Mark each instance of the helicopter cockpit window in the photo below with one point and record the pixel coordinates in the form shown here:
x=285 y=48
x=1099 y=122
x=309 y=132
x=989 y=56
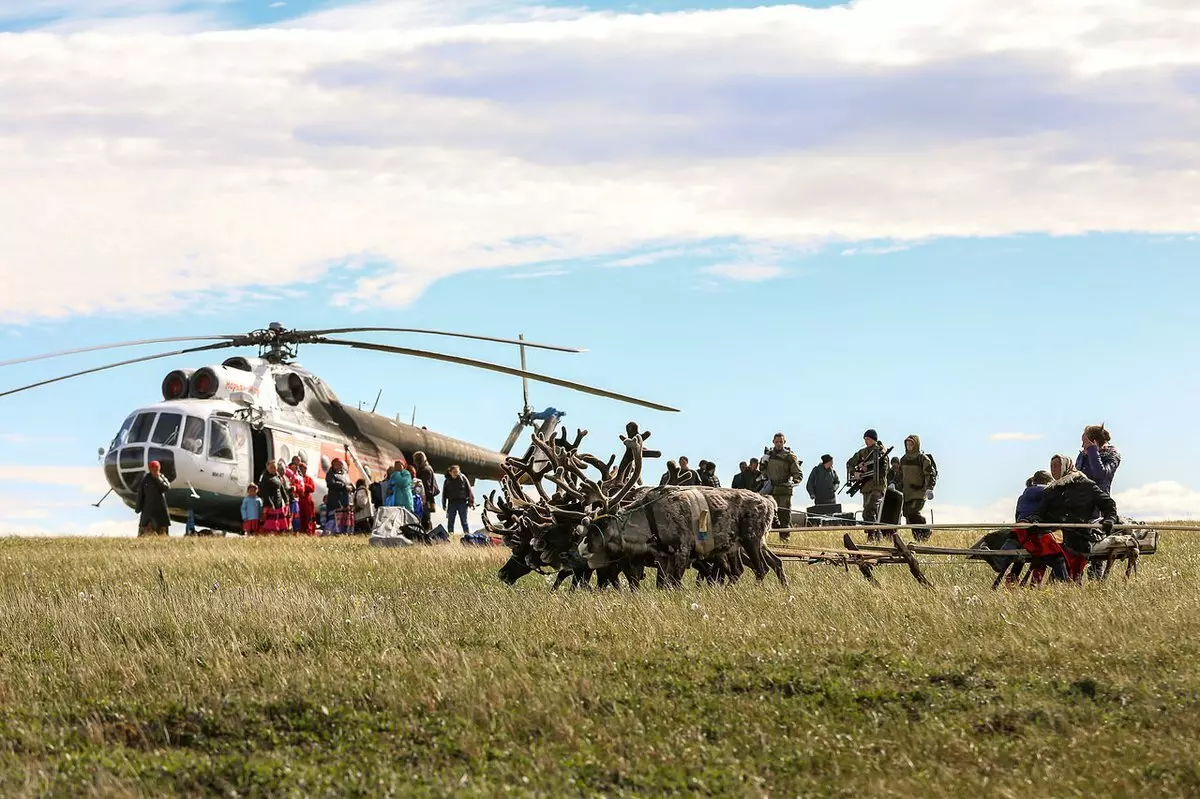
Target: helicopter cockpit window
x=166 y=432
x=122 y=434
x=193 y=435
x=141 y=428
x=220 y=441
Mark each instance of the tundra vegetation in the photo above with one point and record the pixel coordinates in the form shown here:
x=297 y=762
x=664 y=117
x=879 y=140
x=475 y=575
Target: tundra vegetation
x=325 y=667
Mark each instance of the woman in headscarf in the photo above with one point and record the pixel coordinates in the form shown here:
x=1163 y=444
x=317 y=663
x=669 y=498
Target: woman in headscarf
x=274 y=498
x=1072 y=498
x=155 y=517
x=287 y=480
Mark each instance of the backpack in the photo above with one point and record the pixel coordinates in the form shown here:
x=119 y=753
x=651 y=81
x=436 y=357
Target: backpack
x=933 y=465
x=377 y=494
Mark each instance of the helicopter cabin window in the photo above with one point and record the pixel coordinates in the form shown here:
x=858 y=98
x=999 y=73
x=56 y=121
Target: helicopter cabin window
x=193 y=435
x=122 y=434
x=141 y=428
x=166 y=432
x=220 y=441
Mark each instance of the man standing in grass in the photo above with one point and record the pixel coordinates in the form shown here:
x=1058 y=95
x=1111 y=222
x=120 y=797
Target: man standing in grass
x=782 y=468
x=457 y=496
x=870 y=462
x=823 y=482
x=918 y=476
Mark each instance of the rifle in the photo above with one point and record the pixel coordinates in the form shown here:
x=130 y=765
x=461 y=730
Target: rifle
x=864 y=474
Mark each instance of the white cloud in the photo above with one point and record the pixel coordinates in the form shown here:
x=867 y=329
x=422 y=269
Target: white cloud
x=648 y=258
x=138 y=167
x=535 y=275
x=1016 y=436
x=87 y=479
x=745 y=272
x=875 y=250
x=1164 y=500
x=1001 y=512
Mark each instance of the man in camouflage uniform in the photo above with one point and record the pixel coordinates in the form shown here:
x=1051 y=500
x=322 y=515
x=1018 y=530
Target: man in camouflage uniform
x=917 y=479
x=870 y=460
x=782 y=468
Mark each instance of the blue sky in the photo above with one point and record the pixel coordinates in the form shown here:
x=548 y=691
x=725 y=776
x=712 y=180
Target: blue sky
x=899 y=215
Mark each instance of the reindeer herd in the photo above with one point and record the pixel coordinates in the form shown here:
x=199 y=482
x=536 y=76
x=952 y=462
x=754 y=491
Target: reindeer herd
x=591 y=518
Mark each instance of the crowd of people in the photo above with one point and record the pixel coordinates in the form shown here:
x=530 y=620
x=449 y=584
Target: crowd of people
x=779 y=472
x=282 y=499
x=1072 y=491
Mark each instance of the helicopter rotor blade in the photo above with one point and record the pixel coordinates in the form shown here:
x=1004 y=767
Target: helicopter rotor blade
x=471 y=336
x=143 y=359
x=118 y=345
x=507 y=370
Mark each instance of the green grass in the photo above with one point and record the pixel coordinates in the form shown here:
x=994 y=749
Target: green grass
x=326 y=667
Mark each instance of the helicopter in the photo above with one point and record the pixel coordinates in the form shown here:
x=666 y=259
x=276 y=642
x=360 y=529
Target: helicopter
x=218 y=425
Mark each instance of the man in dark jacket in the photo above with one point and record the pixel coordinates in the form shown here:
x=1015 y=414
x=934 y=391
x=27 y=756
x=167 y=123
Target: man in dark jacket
x=687 y=476
x=739 y=479
x=708 y=475
x=823 y=482
x=1074 y=499
x=337 y=497
x=457 y=496
x=155 y=517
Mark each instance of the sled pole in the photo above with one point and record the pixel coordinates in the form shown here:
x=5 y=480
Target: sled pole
x=862 y=528
x=913 y=565
x=863 y=567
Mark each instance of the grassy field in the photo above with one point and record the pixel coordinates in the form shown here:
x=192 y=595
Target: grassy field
x=326 y=667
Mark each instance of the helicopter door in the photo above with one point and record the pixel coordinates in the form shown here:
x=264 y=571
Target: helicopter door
x=261 y=445
x=229 y=450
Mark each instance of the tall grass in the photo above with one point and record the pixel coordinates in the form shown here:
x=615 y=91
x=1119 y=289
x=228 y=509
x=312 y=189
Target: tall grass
x=325 y=667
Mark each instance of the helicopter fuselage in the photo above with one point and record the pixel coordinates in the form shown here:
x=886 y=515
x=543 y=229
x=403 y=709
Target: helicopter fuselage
x=217 y=427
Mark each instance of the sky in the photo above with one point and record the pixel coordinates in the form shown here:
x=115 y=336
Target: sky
x=968 y=220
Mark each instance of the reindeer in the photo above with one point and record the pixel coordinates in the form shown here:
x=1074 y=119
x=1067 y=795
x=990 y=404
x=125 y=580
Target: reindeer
x=613 y=525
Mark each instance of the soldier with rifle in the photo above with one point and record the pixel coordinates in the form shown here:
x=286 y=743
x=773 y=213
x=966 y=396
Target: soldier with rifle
x=867 y=472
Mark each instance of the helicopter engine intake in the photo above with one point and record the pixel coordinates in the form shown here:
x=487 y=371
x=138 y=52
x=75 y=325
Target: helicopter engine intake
x=177 y=384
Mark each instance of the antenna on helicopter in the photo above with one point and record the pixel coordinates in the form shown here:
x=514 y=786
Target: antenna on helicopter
x=524 y=380
x=377 y=396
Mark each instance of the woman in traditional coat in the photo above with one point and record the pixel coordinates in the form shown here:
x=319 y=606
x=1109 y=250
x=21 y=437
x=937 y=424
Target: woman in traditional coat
x=308 y=509
x=402 y=483
x=155 y=517
x=270 y=489
x=1073 y=498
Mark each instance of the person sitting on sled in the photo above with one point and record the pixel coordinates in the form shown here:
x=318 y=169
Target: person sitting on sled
x=1072 y=498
